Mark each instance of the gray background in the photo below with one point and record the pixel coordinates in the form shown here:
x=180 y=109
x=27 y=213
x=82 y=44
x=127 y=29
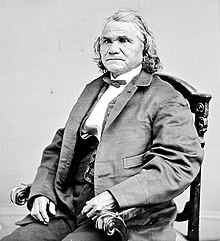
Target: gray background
x=46 y=60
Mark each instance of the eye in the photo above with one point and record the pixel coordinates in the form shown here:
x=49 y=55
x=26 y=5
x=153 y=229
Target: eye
x=123 y=40
x=106 y=41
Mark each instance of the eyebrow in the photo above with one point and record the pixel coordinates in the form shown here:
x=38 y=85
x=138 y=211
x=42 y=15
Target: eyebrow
x=118 y=37
x=104 y=37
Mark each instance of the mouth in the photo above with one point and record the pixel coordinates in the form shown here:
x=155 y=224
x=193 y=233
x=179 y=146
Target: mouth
x=115 y=59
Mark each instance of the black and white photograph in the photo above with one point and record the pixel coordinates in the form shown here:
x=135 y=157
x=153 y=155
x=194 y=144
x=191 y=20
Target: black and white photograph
x=109 y=120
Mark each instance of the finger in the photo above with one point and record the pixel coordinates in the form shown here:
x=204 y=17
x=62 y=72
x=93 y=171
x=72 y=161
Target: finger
x=34 y=210
x=43 y=209
x=36 y=214
x=87 y=208
x=94 y=212
x=52 y=208
x=91 y=214
x=99 y=224
x=40 y=218
x=94 y=218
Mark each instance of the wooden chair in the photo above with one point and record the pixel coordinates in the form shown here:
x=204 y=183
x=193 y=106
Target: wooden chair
x=199 y=105
x=115 y=222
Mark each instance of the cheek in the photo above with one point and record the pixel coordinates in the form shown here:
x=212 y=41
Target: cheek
x=103 y=51
x=138 y=52
x=138 y=55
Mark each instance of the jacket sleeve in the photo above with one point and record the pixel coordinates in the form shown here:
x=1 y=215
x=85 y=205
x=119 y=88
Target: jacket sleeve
x=44 y=180
x=172 y=162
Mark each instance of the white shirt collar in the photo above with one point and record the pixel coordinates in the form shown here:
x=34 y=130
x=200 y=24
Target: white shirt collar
x=129 y=75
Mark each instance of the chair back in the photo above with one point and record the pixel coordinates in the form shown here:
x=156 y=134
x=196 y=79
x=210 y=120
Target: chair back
x=199 y=106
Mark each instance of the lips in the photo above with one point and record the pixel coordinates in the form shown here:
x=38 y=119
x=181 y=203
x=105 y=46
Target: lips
x=113 y=59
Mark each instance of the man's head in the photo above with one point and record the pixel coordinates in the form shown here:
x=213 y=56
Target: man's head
x=125 y=43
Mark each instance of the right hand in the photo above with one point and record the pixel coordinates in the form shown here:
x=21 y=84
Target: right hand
x=42 y=209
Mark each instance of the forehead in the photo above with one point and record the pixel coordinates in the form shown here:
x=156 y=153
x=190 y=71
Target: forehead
x=114 y=29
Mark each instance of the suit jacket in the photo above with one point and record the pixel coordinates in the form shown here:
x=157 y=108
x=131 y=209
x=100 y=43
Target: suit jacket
x=149 y=152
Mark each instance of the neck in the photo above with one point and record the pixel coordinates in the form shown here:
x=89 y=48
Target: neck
x=128 y=75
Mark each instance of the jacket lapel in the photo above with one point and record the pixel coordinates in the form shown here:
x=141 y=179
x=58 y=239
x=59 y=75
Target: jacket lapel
x=84 y=103
x=77 y=114
x=142 y=80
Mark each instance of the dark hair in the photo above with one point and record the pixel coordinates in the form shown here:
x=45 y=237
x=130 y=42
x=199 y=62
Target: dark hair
x=151 y=62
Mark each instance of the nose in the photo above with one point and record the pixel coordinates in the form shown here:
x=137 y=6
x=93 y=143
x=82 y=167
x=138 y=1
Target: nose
x=114 y=48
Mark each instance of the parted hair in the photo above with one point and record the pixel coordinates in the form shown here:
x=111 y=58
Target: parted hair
x=151 y=62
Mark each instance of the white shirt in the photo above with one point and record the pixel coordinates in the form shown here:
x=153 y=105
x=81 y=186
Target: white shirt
x=93 y=124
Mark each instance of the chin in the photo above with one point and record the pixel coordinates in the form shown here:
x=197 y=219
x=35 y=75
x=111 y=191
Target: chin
x=116 y=71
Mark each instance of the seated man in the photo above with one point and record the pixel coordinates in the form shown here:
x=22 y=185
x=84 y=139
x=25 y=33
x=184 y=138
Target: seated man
x=129 y=141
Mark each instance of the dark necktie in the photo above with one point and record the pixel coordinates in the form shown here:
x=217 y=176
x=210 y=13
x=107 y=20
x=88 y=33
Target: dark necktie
x=115 y=83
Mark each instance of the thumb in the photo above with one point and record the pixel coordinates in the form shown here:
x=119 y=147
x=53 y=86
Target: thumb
x=52 y=208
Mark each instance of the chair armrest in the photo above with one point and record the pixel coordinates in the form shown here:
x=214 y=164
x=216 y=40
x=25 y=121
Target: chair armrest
x=19 y=195
x=113 y=224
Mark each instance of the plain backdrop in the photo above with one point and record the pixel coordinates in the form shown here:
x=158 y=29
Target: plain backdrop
x=46 y=58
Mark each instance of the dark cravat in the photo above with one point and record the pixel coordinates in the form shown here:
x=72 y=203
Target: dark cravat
x=115 y=83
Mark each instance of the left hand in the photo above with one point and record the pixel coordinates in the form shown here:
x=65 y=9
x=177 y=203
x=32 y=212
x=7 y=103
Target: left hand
x=98 y=205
